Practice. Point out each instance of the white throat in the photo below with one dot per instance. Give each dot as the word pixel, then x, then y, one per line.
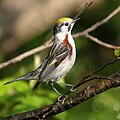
pixel 61 36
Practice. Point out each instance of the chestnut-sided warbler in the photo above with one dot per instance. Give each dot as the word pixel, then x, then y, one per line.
pixel 60 59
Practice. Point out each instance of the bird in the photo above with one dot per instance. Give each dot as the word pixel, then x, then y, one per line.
pixel 60 59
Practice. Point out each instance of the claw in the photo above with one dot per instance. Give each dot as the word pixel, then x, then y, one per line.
pixel 60 99
pixel 72 89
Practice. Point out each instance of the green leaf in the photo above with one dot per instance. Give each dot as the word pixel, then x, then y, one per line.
pixel 117 52
pixel 62 116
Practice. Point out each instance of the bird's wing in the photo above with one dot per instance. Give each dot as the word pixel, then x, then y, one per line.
pixel 56 55
pixel 37 72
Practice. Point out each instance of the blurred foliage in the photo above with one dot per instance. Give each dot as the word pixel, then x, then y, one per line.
pixel 19 97
pixel 117 52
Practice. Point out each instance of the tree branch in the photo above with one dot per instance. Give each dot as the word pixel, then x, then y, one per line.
pixel 80 97
pixel 27 54
pixel 89 77
pixel 94 39
pixel 49 43
pixel 98 24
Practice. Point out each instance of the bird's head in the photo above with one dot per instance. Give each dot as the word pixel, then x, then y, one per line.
pixel 64 25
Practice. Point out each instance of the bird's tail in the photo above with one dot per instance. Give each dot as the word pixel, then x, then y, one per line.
pixel 36 85
pixel 28 76
pixel 38 82
pixel 11 81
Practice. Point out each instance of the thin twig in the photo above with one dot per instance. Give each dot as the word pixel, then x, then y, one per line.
pixel 94 39
pixel 88 78
pixel 48 43
pixel 101 68
pixel 97 24
pixel 27 54
pixel 88 4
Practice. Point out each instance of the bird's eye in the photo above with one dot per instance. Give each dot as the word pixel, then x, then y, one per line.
pixel 66 24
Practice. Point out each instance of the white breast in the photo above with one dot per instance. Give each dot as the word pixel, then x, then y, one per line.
pixel 67 64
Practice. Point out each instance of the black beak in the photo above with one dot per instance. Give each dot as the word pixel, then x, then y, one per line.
pixel 74 20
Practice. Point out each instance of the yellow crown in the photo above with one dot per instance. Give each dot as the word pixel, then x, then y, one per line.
pixel 64 19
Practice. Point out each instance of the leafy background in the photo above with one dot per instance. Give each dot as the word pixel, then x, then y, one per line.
pixel 19 97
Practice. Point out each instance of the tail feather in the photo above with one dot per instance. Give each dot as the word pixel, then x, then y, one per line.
pixel 36 85
pixel 11 81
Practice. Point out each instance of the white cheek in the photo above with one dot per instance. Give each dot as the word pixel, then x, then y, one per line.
pixel 64 29
pixel 61 35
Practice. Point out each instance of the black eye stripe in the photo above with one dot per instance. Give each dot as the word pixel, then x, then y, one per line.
pixel 62 24
pixel 57 28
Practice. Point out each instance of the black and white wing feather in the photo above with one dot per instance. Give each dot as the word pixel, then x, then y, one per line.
pixel 56 55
